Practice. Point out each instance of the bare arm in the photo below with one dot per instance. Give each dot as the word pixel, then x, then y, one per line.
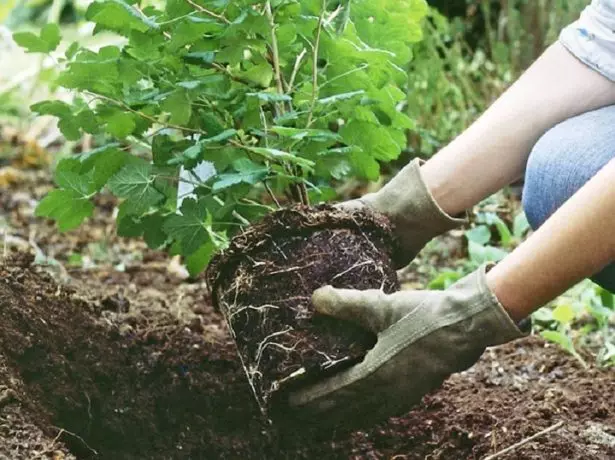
pixel 493 152
pixel 574 243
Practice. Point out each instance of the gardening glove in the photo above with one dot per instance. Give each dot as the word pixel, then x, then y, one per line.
pixel 410 206
pixel 423 337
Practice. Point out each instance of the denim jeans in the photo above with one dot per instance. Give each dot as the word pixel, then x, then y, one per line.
pixel 564 159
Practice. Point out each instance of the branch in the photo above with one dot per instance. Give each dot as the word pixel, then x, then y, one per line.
pixel 209 12
pixel 293 75
pixel 143 115
pixel 315 64
pixel 275 52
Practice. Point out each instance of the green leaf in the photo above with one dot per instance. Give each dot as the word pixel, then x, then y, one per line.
pixel 178 105
pixel 271 97
pixel 479 234
pixel 260 74
pixel 481 254
pixel 47 42
pixel 319 135
pixel 520 225
pixel 491 218
pixel 198 260
pixel 103 163
pixel 56 108
pixel 82 185
pixel 444 280
pixel 563 313
pixel 119 16
pixel 135 183
pixel 190 227
pixel 121 124
pixel 279 155
pixel 154 235
pixel 339 97
pixel 248 172
pixel 50 34
pixel 187 32
pixel 67 207
pixel 372 139
pixel 564 341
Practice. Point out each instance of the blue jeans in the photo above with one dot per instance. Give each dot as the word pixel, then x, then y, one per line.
pixel 564 159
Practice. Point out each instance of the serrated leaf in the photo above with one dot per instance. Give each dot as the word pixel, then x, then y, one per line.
pixel 271 97
pixel 279 155
pixel 68 208
pixel 119 16
pixel 47 42
pixel 371 138
pixel 247 172
pixel 189 227
pixel 340 97
pixel 260 74
pixel 50 34
pixel 81 184
pixel 319 135
pixel 120 124
pixel 154 235
pixel 135 183
pixel 104 163
pixel 56 108
pixel 178 105
pixel 198 260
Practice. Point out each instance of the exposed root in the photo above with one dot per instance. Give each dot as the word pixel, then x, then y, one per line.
pixel 264 282
pixel 357 265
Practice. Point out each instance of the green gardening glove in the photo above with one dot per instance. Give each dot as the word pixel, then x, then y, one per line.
pixel 410 206
pixel 423 337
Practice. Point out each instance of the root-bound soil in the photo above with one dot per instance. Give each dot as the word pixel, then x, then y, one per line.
pixel 263 285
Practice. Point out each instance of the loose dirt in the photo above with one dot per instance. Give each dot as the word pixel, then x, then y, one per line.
pixel 122 359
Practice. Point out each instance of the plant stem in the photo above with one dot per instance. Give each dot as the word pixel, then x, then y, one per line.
pixel 209 12
pixel 293 75
pixel 315 64
pixel 141 114
pixel 270 192
pixel 299 191
pixel 275 54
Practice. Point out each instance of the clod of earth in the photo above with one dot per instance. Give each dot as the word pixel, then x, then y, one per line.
pixel 263 285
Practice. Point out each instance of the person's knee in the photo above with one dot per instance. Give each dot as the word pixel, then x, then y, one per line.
pixel 564 159
pixel 537 197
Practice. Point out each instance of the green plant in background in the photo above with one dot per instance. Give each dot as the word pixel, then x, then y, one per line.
pixel 581 319
pixel 275 98
pixel 517 31
pixel 465 62
pixel 450 84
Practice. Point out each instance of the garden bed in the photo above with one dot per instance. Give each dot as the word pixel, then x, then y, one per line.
pixel 131 362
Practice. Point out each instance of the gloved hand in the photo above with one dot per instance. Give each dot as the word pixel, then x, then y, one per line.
pixel 410 206
pixel 423 337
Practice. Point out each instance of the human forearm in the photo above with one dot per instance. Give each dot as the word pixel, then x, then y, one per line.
pixel 494 150
pixel 576 242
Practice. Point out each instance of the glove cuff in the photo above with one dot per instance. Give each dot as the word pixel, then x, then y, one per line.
pixel 502 328
pixel 411 207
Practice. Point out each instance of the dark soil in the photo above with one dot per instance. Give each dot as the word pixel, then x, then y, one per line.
pixel 124 358
pixel 263 285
